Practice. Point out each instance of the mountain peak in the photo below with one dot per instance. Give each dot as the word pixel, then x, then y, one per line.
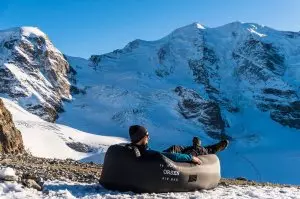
pixel 35 71
pixel 190 30
pixel 19 32
pixel 28 31
pixel 199 26
pixel 241 25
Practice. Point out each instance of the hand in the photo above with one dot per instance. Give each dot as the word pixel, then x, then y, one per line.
pixel 196 160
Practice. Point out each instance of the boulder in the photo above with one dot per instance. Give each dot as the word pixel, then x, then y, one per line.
pixel 10 137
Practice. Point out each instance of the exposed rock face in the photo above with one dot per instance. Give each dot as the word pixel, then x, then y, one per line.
pixel 267 67
pixel 284 106
pixel 205 72
pixel 206 112
pixel 33 71
pixel 10 138
pixel 80 147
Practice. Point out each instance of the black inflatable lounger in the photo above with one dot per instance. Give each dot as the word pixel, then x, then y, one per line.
pixel 153 172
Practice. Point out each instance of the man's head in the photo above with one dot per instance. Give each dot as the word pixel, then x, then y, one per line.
pixel 138 135
pixel 196 142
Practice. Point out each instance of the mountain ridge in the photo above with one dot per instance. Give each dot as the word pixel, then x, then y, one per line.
pixel 35 71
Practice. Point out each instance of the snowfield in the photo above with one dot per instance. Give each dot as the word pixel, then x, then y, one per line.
pixel 45 139
pixel 70 190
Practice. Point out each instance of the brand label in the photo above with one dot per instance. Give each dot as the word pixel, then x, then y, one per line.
pixel 170 172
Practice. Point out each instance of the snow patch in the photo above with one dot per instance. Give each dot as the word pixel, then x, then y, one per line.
pixel 7 173
pixel 253 30
pixel 23 78
pixel 28 31
pixel 60 189
pixel 200 26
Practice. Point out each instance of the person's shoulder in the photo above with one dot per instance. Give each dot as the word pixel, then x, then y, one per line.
pixel 151 151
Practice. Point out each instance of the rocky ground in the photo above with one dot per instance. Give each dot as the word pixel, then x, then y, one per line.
pixel 244 182
pixel 28 166
pixel 42 169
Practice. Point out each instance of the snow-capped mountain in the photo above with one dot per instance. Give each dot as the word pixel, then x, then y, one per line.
pixel 208 75
pixel 239 81
pixel 33 71
pixel 235 65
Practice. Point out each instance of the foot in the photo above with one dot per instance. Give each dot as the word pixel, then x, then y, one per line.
pixel 222 145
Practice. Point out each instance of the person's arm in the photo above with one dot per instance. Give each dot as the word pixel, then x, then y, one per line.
pixel 180 157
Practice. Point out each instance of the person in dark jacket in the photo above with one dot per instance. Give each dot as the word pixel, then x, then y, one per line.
pixel 140 137
pixel 196 149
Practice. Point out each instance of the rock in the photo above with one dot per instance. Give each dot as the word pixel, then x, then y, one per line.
pixel 30 183
pixel 241 178
pixel 10 137
pixel 5 161
pixel 29 176
pixel 81 147
pixel 225 184
pixel 9 178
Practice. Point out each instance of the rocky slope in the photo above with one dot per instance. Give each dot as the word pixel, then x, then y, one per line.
pixel 10 137
pixel 52 169
pixel 206 112
pixel 33 72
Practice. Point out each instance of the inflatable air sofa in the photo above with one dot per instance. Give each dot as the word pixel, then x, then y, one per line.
pixel 123 170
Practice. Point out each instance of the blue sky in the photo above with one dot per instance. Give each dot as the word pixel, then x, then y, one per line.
pixel 85 27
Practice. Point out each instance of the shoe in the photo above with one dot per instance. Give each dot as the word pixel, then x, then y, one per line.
pixel 215 148
pixel 222 145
